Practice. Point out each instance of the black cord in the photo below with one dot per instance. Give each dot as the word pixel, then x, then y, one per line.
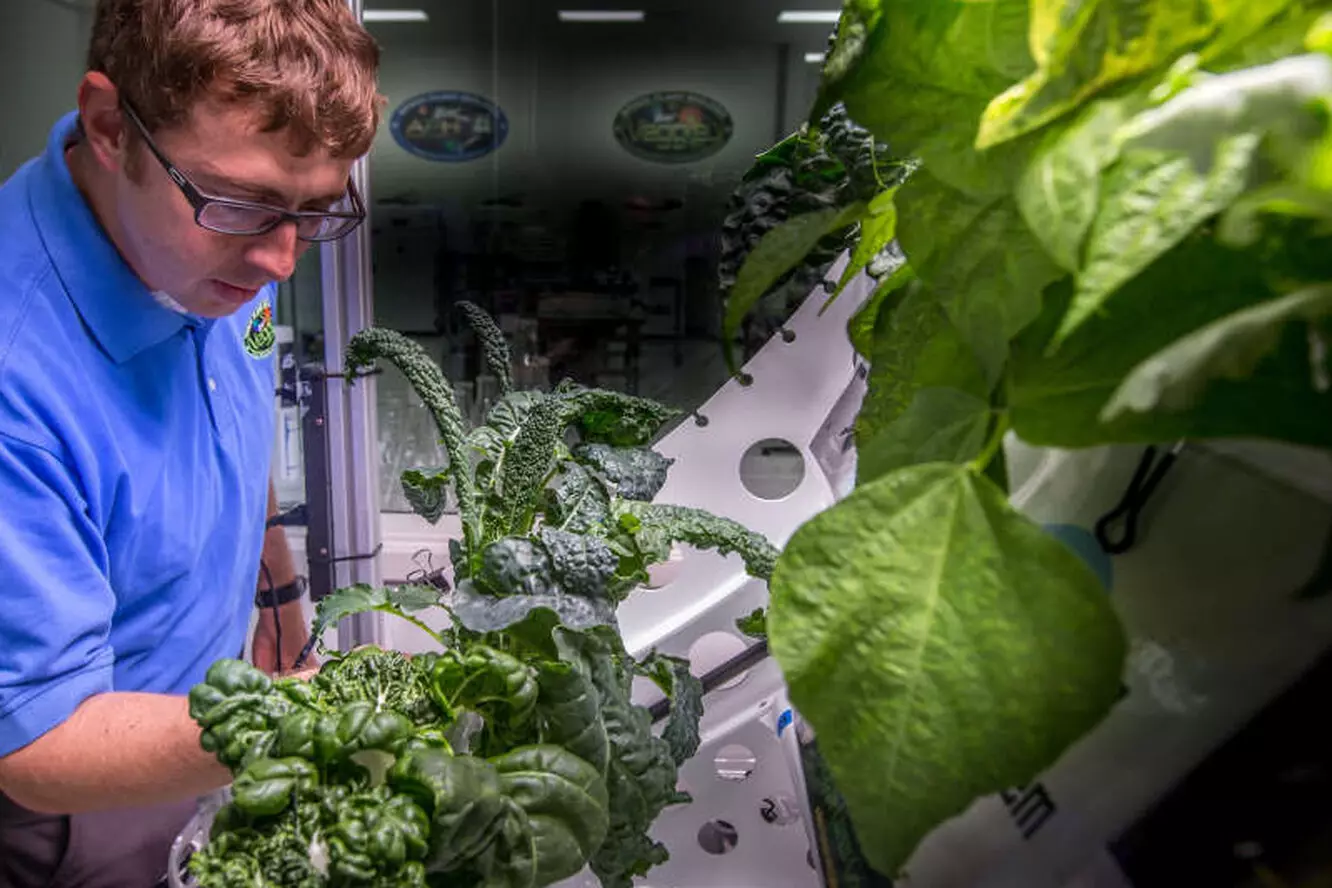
pixel 1146 477
pixel 277 622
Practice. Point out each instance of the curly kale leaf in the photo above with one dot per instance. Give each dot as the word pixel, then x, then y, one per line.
pixel 656 526
pixel 602 416
pixel 248 856
pixel 529 464
pixel 238 708
pixel 579 503
pixel 754 624
pixel 580 564
pixel 481 612
pixel 515 566
pixel 685 691
pixel 637 473
pixel 434 389
pixel 387 679
pixel 426 491
pixel 377 835
pixel 640 773
pixel 494 346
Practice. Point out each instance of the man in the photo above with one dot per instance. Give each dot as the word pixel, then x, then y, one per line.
pixel 212 144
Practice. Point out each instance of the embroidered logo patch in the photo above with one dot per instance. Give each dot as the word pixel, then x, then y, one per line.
pixel 259 334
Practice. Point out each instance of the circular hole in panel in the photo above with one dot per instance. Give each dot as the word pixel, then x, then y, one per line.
pixel 735 762
pixel 712 650
pixel 772 469
pixel 717 837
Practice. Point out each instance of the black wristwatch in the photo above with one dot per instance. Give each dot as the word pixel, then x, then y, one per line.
pixel 281 595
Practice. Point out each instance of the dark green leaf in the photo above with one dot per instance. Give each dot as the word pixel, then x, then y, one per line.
pixel 959 661
pixel 579 503
pixel 660 525
pixel 1230 348
pixel 569 712
pixel 427 491
pixel 529 463
pixel 609 417
pixel 685 691
pixel 778 252
pixel 388 679
pixel 582 565
pixel 565 800
pixel 265 787
pixel 939 425
pixel 463 798
pixel 515 566
pixel 494 347
pixel 480 612
pixel 637 473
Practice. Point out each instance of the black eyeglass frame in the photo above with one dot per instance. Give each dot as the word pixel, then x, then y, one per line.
pixel 200 200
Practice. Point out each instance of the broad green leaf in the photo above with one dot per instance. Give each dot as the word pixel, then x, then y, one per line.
pixel 636 473
pixel 1229 348
pixel 780 250
pixel 1057 400
pixel 657 526
pixel 1086 46
pixel 481 612
pixel 979 259
pixel 581 564
pixel 915 346
pixel 603 416
pixel 941 63
pixel 566 803
pixel 1058 190
pixel 939 425
pixel 860 329
pixel 1151 200
pixel 877 230
pixel 400 601
pixel 961 660
pixel 426 491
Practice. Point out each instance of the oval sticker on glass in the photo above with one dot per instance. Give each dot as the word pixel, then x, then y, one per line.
pixel 673 127
pixel 449 127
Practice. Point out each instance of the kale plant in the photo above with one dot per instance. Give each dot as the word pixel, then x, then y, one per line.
pixel 513 756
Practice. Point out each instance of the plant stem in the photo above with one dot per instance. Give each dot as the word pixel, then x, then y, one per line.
pixel 992 446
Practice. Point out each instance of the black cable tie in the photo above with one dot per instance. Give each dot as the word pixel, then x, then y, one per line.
pixel 1146 478
pixel 699 419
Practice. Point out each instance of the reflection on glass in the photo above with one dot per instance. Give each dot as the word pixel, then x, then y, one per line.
pixel 570 178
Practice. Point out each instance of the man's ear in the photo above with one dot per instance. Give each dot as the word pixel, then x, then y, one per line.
pixel 105 127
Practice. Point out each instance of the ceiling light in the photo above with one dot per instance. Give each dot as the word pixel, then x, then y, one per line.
pixel 808 17
pixel 395 15
pixel 601 15
pixel 815 58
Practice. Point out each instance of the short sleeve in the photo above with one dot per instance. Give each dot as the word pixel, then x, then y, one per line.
pixel 57 602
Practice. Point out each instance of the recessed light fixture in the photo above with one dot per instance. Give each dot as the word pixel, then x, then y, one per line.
pixel 808 17
pixel 395 15
pixel 815 58
pixel 601 15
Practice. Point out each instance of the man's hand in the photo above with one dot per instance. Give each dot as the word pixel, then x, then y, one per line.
pixel 295 633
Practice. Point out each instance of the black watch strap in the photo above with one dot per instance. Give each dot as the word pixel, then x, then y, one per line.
pixel 281 595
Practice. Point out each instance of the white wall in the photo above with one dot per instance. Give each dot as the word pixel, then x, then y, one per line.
pixel 42 49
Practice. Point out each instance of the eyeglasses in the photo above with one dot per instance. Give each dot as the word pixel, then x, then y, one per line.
pixel 226 215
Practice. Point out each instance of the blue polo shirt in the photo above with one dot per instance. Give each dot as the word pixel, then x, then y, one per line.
pixel 135 442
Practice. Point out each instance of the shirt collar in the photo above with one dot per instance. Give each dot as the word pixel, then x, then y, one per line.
pixel 119 309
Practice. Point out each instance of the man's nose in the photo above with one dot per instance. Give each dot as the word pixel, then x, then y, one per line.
pixel 277 252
